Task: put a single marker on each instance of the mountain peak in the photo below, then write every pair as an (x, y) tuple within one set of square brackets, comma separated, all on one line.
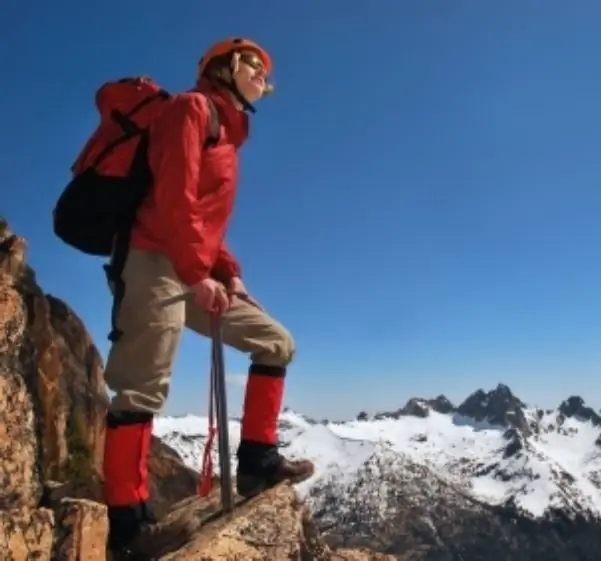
[(499, 407), (574, 406), (441, 404), (503, 390), (415, 407)]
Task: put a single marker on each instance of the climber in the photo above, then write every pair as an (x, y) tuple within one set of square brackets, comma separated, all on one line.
[(177, 247)]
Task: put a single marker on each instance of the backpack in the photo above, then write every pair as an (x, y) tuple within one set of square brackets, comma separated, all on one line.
[(111, 176)]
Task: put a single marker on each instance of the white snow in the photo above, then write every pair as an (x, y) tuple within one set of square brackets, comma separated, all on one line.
[(558, 467)]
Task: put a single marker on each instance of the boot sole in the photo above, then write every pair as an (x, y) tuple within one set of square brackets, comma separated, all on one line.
[(264, 485)]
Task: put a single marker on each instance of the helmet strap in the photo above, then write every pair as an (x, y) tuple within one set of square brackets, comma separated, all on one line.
[(233, 88)]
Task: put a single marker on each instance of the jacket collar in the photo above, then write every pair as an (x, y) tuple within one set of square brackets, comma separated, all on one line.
[(235, 121)]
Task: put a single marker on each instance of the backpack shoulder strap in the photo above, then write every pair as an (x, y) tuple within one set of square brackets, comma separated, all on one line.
[(214, 124)]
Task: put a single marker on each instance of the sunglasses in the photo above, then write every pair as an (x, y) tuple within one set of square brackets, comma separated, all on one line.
[(252, 60)]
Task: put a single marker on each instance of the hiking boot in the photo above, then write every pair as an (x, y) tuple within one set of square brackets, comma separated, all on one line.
[(136, 535), (125, 523), (252, 483)]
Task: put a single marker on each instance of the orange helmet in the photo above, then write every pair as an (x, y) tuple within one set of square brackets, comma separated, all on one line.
[(234, 44)]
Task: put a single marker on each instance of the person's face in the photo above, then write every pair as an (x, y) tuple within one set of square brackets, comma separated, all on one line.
[(251, 76)]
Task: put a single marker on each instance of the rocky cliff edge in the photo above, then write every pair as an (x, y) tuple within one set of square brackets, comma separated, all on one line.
[(52, 405)]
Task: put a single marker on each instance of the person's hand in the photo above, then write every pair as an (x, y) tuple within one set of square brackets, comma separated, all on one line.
[(236, 288), (211, 296)]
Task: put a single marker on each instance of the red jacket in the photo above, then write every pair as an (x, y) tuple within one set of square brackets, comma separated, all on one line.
[(188, 210)]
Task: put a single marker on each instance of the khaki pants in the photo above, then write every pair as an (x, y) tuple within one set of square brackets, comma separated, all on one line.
[(139, 364)]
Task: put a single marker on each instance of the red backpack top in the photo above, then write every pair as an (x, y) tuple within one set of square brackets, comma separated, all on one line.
[(126, 107)]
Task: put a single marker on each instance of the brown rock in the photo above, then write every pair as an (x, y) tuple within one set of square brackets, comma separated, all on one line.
[(26, 535), (50, 380), (55, 492), (81, 531), (13, 252), (20, 482), (84, 389), (269, 526), (274, 526), (51, 412)]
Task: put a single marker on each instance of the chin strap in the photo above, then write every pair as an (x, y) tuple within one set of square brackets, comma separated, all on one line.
[(232, 87)]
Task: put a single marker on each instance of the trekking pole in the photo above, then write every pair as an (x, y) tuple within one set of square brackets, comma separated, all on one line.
[(218, 371)]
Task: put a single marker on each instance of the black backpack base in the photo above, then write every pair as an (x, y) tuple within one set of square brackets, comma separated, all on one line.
[(85, 217)]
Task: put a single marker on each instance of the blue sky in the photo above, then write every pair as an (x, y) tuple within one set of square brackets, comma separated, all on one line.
[(419, 202)]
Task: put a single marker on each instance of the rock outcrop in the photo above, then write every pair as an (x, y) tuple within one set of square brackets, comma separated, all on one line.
[(498, 407), (52, 409), (574, 406), (415, 407), (273, 526)]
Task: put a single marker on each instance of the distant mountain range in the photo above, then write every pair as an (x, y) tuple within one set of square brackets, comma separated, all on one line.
[(492, 479)]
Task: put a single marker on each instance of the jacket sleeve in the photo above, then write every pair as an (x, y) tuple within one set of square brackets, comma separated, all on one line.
[(193, 220), (226, 266)]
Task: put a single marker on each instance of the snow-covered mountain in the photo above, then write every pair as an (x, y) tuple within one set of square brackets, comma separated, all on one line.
[(432, 479)]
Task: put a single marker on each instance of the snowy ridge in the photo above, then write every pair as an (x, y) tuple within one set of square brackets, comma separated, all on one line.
[(495, 450)]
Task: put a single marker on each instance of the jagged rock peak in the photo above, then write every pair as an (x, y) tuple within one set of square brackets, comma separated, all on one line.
[(415, 407), (362, 416), (515, 442), (574, 406), (499, 407), (441, 404)]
